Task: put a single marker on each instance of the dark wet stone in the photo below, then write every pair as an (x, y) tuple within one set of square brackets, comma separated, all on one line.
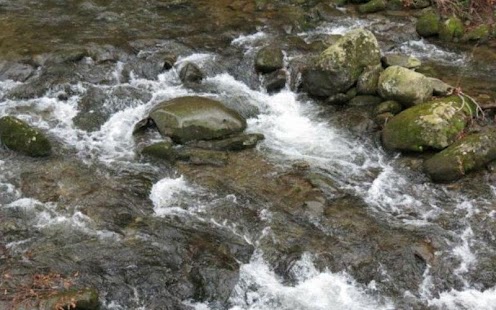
[(388, 106), (236, 143), (275, 81), (161, 150), (363, 100), (198, 156), (18, 136), (342, 98), (190, 73), (15, 71)]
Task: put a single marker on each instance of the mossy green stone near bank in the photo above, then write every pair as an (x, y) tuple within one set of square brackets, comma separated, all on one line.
[(18, 136)]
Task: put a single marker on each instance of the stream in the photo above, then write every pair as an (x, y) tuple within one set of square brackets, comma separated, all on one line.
[(318, 216)]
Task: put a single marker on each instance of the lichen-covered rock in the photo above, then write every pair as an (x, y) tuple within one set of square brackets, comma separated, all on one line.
[(451, 29), (339, 66), (20, 137), (428, 24), (405, 86), (431, 125), (465, 155), (269, 59), (406, 61), (368, 80), (372, 6), (196, 118)]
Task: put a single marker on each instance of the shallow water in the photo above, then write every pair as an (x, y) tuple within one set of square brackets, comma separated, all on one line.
[(149, 237)]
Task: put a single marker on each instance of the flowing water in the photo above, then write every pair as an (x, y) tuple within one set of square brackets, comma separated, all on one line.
[(149, 235)]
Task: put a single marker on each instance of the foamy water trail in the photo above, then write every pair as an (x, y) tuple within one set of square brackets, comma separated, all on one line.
[(260, 288)]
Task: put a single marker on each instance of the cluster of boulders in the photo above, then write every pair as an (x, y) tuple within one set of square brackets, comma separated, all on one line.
[(430, 22), (352, 70), (198, 130)]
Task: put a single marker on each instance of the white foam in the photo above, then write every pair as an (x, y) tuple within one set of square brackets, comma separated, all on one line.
[(424, 50), (260, 288), (249, 39), (467, 300), (167, 195)]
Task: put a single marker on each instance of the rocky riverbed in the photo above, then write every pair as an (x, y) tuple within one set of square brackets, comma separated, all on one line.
[(283, 193)]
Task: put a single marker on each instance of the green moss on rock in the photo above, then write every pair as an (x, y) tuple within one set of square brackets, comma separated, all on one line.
[(20, 137), (431, 125), (481, 32), (269, 59), (428, 24), (372, 6), (451, 29), (467, 154)]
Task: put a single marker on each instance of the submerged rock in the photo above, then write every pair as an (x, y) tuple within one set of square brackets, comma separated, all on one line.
[(196, 118), (339, 66), (269, 59), (276, 80), (198, 156), (161, 150), (467, 154), (431, 125), (20, 137), (405, 86), (235, 143)]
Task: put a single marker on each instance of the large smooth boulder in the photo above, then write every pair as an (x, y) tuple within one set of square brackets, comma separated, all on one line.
[(465, 155), (337, 69), (269, 59), (196, 118), (405, 86), (431, 125), (18, 136)]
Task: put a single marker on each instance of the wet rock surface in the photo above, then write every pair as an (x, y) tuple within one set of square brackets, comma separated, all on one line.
[(144, 237)]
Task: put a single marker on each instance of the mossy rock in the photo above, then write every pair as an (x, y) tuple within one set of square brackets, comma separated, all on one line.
[(468, 154), (451, 29), (196, 118), (404, 85), (481, 32), (372, 6), (337, 68), (431, 125), (389, 106), (428, 24), (269, 59), (18, 136)]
